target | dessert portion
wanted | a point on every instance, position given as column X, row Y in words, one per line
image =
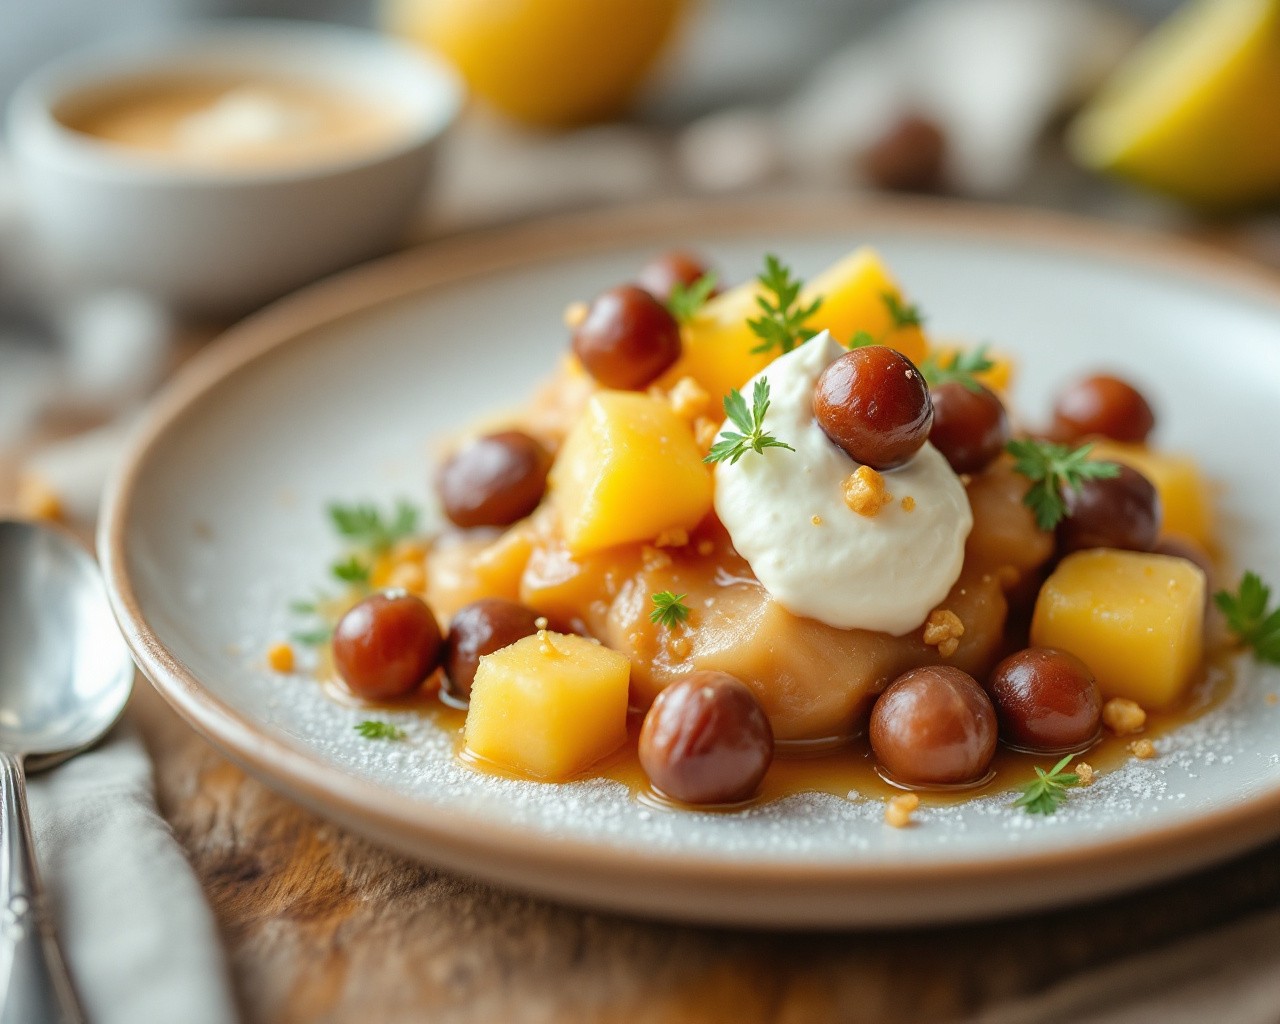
column 737, row 526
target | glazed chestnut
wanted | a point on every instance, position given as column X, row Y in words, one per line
column 481, row 628
column 1117, row 512
column 1103, row 406
column 627, row 339
column 1046, row 700
column 706, row 740
column 660, row 275
column 386, row 645
column 494, row 480
column 970, row 428
column 934, row 726
column 874, row 404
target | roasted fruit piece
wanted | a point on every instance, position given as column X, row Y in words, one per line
column 629, row 470
column 1137, row 619
column 548, row 706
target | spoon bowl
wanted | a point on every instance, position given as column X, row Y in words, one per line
column 65, row 677
column 65, row 672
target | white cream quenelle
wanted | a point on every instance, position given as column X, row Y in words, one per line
column 786, row 514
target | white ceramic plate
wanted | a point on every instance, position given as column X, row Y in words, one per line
column 215, row 522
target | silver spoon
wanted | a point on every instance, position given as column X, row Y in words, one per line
column 65, row 675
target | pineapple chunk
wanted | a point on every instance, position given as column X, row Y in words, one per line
column 549, row 706
column 629, row 469
column 718, row 343
column 1184, row 494
column 1136, row 619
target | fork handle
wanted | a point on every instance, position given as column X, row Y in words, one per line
column 34, row 984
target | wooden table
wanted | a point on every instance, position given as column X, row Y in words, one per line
column 320, row 925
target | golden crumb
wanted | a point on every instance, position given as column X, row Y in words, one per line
column 908, row 504
column 280, row 658
column 540, row 622
column 705, row 432
column 898, row 810
column 1122, row 716
column 865, row 492
column 677, row 537
column 705, row 547
column 653, row 558
column 943, row 630
column 688, row 399
column 1273, row 699
column 1084, row 772
column 1143, row 749
column 816, row 520
column 36, row 499
column 574, row 314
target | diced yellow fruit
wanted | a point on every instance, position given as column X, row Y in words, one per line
column 1136, row 619
column 998, row 378
column 628, row 470
column 549, row 706
column 718, row 342
column 1193, row 112
column 499, row 566
column 853, row 299
column 1185, row 497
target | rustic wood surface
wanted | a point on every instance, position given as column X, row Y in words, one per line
column 322, row 926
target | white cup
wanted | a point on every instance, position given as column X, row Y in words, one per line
column 223, row 240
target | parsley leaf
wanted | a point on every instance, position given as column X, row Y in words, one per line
column 960, row 367
column 861, row 339
column 364, row 524
column 685, row 300
column 374, row 730
column 783, row 324
column 1052, row 468
column 352, row 570
column 733, row 446
column 902, row 314
column 1251, row 618
column 669, row 609
column 1048, row 790
column 313, row 637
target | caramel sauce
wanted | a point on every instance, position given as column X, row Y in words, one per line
column 842, row 768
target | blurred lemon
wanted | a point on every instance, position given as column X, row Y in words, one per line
column 547, row 62
column 1195, row 112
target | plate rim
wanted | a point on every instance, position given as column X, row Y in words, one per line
column 461, row 840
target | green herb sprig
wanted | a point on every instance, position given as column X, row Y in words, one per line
column 364, row 525
column 351, row 570
column 669, row 609
column 733, row 445
column 1052, row 468
column 901, row 313
column 1251, row 618
column 686, row 300
column 782, row 326
column 960, row 367
column 1045, row 793
column 372, row 729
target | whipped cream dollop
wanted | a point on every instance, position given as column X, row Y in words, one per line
column 786, row 514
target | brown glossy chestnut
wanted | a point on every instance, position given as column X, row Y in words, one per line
column 706, row 740
column 660, row 275
column 1046, row 700
column 934, row 726
column 387, row 645
column 1103, row 406
column 874, row 404
column 970, row 427
column 1111, row 512
column 494, row 480
column 627, row 339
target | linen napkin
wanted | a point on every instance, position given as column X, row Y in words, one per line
column 140, row 942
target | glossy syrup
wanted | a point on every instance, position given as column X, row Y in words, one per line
column 844, row 768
